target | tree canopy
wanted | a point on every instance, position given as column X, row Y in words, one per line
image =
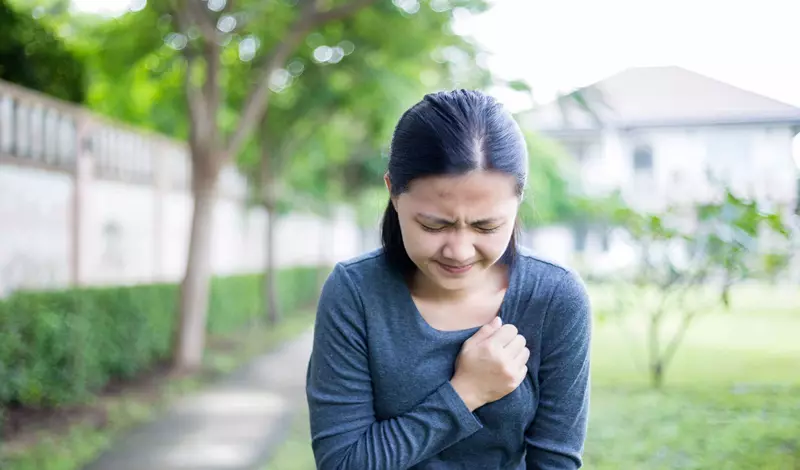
column 33, row 56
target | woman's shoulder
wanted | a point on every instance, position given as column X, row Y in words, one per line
column 362, row 275
column 547, row 283
column 537, row 268
column 369, row 266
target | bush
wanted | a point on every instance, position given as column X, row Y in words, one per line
column 58, row 347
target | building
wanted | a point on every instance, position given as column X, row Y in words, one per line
column 663, row 136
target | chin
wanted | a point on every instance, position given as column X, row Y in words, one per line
column 454, row 281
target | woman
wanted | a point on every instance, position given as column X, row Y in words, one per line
column 451, row 347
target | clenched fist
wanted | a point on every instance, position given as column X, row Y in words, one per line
column 491, row 364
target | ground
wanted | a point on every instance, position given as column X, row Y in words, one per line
column 730, row 400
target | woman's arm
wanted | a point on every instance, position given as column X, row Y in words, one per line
column 344, row 431
column 556, row 436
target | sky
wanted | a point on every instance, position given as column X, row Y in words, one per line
column 560, row 45
column 557, row 46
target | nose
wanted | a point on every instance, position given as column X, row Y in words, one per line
column 459, row 247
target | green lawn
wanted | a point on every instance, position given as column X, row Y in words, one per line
column 731, row 399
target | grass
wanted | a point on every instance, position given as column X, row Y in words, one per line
column 731, row 399
column 72, row 448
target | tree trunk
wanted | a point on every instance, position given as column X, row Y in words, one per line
column 656, row 363
column 269, row 199
column 269, row 289
column 657, row 375
column 191, row 332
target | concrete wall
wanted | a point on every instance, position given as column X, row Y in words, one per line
column 91, row 202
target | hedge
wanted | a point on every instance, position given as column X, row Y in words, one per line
column 58, row 347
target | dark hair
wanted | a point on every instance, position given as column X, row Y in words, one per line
column 450, row 133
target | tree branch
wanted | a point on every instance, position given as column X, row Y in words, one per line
column 258, row 99
column 201, row 17
column 677, row 339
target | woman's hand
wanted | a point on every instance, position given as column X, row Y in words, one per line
column 491, row 364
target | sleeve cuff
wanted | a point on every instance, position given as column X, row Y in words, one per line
column 469, row 422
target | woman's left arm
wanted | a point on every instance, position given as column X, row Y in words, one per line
column 555, row 439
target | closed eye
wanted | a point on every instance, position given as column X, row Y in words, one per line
column 485, row 230
column 432, row 229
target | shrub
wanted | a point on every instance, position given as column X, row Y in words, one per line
column 58, row 347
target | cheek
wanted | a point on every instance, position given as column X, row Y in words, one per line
column 493, row 246
column 420, row 244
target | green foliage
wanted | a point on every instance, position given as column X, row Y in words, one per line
column 551, row 194
column 31, row 55
column 688, row 260
column 58, row 347
column 723, row 237
column 330, row 122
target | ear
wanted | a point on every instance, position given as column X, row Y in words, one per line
column 388, row 182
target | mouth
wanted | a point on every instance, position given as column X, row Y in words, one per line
column 455, row 269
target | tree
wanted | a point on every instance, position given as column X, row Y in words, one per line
column 689, row 258
column 202, row 31
column 31, row 55
column 335, row 105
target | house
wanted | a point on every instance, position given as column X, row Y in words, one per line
column 662, row 136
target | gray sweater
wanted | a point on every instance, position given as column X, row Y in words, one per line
column 378, row 380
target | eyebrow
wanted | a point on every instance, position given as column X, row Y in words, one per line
column 439, row 220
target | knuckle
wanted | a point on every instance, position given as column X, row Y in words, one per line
column 511, row 328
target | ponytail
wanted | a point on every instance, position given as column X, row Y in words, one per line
column 392, row 239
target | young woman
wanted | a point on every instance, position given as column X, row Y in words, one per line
column 451, row 347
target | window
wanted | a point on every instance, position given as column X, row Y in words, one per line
column 643, row 158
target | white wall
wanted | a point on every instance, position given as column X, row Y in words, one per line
column 118, row 233
column 755, row 161
column 133, row 233
column 35, row 208
column 89, row 201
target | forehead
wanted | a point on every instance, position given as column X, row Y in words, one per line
column 478, row 188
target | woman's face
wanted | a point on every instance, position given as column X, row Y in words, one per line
column 456, row 227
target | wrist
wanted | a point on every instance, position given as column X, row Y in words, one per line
column 469, row 398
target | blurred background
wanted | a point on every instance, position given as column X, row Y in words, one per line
column 177, row 178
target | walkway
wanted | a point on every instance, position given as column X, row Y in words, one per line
column 232, row 425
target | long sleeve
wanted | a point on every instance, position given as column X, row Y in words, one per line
column 555, row 438
column 344, row 430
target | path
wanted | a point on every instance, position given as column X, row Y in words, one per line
column 232, row 425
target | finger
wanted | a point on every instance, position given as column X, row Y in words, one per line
column 485, row 332
column 523, row 356
column 522, row 374
column 504, row 335
column 515, row 346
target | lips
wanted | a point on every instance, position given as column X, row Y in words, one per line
column 455, row 269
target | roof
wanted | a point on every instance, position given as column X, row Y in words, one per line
column 659, row 96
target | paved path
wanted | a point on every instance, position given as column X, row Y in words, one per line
column 232, row 425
